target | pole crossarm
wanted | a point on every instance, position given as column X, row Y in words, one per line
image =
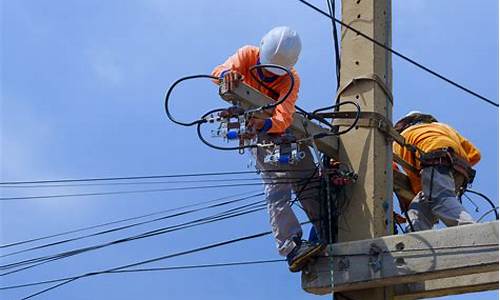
column 425, row 256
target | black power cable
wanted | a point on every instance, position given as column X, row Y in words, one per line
column 204, row 141
column 141, row 177
column 172, row 268
column 127, row 178
column 133, row 191
column 227, row 242
column 202, row 120
column 290, row 89
column 169, row 92
column 331, row 9
column 31, row 263
column 352, row 126
column 84, row 185
column 128, row 226
column 248, row 208
column 265, row 107
column 182, row 253
column 493, row 206
column 12, row 244
column 404, row 57
column 299, row 109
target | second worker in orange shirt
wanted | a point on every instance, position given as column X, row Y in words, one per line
column 441, row 167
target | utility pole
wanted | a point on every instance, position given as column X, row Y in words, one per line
column 368, row 212
column 366, row 261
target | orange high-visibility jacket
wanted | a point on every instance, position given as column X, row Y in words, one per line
column 431, row 137
column 241, row 62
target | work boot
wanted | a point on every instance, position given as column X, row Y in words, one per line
column 302, row 254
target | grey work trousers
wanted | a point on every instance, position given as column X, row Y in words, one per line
column 278, row 188
column 425, row 211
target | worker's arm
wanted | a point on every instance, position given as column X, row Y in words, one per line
column 238, row 62
column 473, row 154
column 283, row 114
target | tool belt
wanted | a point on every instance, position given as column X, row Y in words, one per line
column 447, row 157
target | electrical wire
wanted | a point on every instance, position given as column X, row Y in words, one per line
column 203, row 119
column 204, row 141
column 331, row 10
column 128, row 226
column 12, row 244
column 298, row 108
column 235, row 212
column 145, row 177
column 202, row 266
column 172, row 268
column 134, row 191
column 404, row 57
column 231, row 213
column 493, row 206
column 169, row 92
column 84, row 185
column 290, row 89
column 487, row 213
column 476, row 207
column 127, row 178
column 156, row 259
column 265, row 107
column 352, row 126
column 241, row 210
column 219, row 244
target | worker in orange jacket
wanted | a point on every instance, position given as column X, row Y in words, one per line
column 440, row 161
column 281, row 46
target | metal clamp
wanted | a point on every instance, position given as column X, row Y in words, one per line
column 366, row 119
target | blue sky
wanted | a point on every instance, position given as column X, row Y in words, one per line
column 82, row 96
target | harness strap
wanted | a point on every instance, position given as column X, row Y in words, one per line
column 448, row 157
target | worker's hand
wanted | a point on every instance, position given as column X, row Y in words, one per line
column 255, row 124
column 232, row 79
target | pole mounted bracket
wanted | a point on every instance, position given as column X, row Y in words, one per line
column 367, row 77
column 366, row 119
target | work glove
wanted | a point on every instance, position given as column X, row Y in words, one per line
column 255, row 124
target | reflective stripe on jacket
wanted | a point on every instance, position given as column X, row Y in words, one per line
column 431, row 137
column 241, row 62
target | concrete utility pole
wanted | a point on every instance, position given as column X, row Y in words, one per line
column 391, row 267
column 368, row 211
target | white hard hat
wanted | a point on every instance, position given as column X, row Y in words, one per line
column 280, row 46
column 413, row 112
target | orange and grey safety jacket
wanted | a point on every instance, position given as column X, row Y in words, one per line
column 276, row 86
column 429, row 137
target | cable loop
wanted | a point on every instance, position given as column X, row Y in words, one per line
column 169, row 92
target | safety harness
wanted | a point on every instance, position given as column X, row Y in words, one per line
column 448, row 158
